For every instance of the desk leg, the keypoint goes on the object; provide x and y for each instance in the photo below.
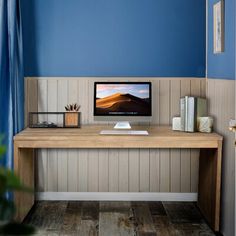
(24, 169)
(210, 185)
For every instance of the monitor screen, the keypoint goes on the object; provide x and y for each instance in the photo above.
(122, 99)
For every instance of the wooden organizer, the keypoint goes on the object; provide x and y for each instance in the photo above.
(68, 119)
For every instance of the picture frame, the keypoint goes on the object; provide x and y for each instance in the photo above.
(218, 27)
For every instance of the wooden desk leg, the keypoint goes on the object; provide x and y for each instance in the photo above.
(210, 185)
(24, 168)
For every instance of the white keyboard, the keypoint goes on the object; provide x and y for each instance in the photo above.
(124, 132)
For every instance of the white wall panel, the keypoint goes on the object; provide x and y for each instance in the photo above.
(113, 170)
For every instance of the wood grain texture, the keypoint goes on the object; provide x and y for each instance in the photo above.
(103, 170)
(134, 170)
(123, 170)
(93, 170)
(185, 154)
(83, 170)
(209, 185)
(52, 180)
(42, 163)
(197, 89)
(89, 219)
(72, 218)
(154, 170)
(62, 99)
(115, 218)
(113, 177)
(25, 172)
(143, 219)
(221, 97)
(69, 170)
(159, 137)
(144, 161)
(118, 219)
(175, 157)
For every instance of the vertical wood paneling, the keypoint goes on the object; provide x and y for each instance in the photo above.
(203, 88)
(185, 176)
(62, 170)
(114, 170)
(52, 153)
(83, 100)
(123, 170)
(90, 101)
(175, 160)
(83, 170)
(72, 154)
(93, 170)
(72, 170)
(164, 115)
(144, 170)
(42, 153)
(164, 104)
(31, 105)
(156, 104)
(221, 97)
(31, 96)
(26, 107)
(196, 90)
(194, 170)
(134, 170)
(154, 170)
(62, 98)
(103, 170)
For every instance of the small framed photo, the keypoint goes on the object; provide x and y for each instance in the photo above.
(218, 30)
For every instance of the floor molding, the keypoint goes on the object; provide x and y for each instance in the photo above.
(113, 196)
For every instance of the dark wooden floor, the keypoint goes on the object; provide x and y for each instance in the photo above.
(117, 218)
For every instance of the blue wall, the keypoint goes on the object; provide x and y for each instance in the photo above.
(114, 37)
(222, 65)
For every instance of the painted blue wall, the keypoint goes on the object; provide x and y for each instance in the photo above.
(114, 37)
(222, 65)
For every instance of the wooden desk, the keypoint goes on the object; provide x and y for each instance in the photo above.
(88, 137)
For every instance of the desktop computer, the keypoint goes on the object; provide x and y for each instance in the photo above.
(123, 101)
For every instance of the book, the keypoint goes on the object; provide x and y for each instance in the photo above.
(186, 113)
(191, 114)
(190, 109)
(182, 114)
(196, 107)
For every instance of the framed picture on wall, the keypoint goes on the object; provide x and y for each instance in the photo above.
(218, 26)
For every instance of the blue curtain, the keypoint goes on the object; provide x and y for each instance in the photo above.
(11, 75)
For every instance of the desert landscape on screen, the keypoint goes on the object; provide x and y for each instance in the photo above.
(122, 99)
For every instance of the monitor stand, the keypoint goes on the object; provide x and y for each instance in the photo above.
(122, 125)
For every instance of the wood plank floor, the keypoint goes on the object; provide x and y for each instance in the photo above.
(117, 219)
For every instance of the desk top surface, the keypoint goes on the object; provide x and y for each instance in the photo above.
(88, 136)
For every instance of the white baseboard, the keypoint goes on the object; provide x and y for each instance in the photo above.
(112, 196)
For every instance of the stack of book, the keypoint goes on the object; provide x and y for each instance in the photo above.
(191, 108)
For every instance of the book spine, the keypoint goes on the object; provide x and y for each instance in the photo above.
(182, 113)
(195, 114)
(186, 113)
(191, 114)
(201, 107)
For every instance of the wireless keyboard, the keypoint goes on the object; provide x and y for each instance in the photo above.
(124, 132)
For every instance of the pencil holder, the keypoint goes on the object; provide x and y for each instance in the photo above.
(72, 119)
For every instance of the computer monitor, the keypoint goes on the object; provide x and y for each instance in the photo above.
(122, 99)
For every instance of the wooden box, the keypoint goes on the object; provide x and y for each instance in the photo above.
(72, 119)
